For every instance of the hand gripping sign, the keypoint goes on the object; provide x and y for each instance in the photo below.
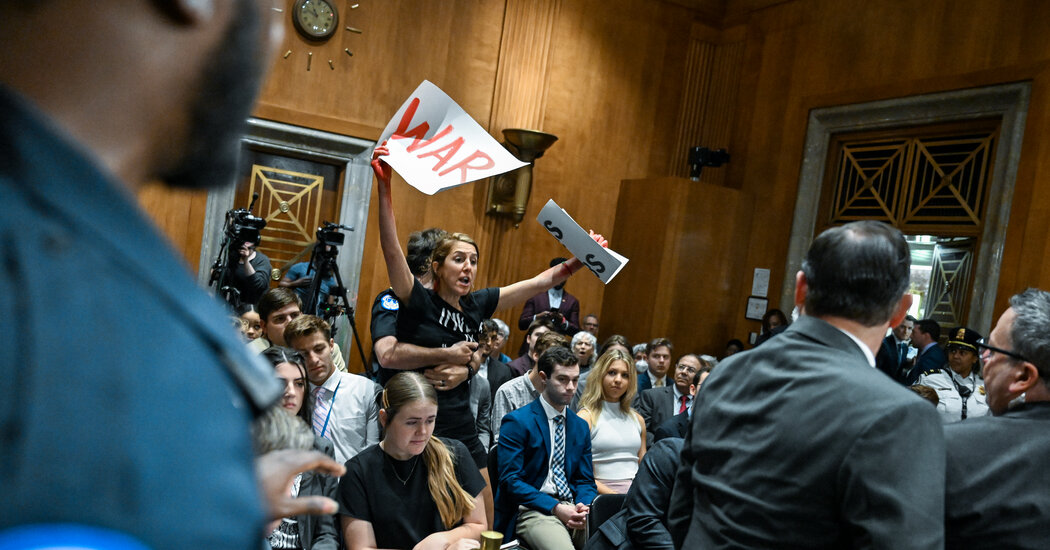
(435, 145)
(605, 263)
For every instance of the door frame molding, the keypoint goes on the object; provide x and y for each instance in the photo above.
(1009, 101)
(316, 145)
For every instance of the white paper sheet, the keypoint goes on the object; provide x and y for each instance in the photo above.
(435, 145)
(603, 262)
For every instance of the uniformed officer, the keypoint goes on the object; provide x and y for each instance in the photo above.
(959, 385)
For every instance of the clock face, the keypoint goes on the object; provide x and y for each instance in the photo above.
(315, 19)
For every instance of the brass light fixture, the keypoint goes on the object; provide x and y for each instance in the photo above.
(509, 192)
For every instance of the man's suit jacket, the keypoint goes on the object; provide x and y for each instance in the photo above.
(996, 480)
(676, 426)
(570, 308)
(655, 405)
(642, 523)
(499, 373)
(524, 451)
(646, 383)
(931, 359)
(803, 444)
(888, 359)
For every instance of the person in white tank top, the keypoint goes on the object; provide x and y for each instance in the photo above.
(617, 431)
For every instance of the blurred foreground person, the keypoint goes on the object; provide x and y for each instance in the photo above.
(149, 434)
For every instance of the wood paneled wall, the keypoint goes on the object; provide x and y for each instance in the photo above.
(806, 54)
(677, 282)
(625, 84)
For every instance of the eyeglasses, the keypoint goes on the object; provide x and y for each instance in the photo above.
(982, 345)
(688, 368)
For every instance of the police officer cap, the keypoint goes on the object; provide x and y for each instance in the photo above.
(963, 338)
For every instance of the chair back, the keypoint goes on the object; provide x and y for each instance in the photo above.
(603, 507)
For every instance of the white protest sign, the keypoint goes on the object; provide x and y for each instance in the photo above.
(603, 262)
(435, 145)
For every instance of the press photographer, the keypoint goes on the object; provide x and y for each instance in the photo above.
(241, 273)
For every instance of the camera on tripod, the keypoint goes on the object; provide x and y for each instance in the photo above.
(242, 227)
(239, 227)
(328, 234)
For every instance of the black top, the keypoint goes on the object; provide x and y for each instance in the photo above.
(393, 495)
(384, 315)
(428, 321)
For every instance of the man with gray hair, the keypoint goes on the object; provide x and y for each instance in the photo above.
(996, 479)
(801, 442)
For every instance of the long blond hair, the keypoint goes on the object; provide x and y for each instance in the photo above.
(593, 395)
(452, 501)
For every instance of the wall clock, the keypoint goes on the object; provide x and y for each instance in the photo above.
(315, 20)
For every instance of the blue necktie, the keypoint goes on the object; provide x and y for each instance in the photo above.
(558, 460)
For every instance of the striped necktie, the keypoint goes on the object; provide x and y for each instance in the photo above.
(558, 460)
(321, 408)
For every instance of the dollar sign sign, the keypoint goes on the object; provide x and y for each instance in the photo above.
(597, 266)
(554, 230)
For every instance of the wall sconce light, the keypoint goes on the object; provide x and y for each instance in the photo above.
(509, 192)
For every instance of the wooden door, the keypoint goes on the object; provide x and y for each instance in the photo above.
(295, 196)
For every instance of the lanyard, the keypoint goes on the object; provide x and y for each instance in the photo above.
(330, 407)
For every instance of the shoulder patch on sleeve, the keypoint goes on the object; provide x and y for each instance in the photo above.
(390, 303)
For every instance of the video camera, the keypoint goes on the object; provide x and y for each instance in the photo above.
(242, 227)
(328, 234)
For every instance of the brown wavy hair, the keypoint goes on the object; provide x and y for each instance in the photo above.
(452, 501)
(442, 250)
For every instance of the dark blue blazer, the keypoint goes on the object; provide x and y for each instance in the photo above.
(646, 383)
(932, 359)
(524, 460)
(888, 361)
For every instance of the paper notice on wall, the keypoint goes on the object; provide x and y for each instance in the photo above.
(435, 145)
(760, 282)
(603, 262)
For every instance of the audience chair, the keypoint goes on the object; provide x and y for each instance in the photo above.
(602, 508)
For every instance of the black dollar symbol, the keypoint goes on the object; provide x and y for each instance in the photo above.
(595, 265)
(554, 230)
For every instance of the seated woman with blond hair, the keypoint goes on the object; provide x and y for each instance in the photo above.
(617, 430)
(412, 490)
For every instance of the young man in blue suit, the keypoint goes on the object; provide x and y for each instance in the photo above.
(546, 483)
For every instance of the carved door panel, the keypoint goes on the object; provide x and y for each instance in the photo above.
(951, 280)
(295, 196)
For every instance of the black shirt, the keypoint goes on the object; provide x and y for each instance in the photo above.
(428, 321)
(398, 503)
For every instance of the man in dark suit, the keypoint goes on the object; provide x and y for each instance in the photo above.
(802, 443)
(893, 353)
(678, 425)
(555, 299)
(546, 483)
(658, 361)
(642, 523)
(996, 477)
(660, 404)
(924, 337)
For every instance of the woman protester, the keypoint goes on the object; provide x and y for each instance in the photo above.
(451, 311)
(959, 384)
(413, 490)
(617, 430)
